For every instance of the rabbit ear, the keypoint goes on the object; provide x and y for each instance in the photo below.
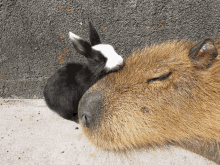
(94, 37)
(82, 46)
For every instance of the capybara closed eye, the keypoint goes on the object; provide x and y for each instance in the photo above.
(165, 93)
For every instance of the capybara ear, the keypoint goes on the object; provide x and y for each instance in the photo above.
(203, 54)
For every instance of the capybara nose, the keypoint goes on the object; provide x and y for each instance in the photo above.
(90, 108)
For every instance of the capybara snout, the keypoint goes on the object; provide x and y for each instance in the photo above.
(166, 92)
(92, 105)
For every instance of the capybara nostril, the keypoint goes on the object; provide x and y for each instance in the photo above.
(89, 108)
(85, 120)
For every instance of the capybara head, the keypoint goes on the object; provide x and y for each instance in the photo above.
(165, 93)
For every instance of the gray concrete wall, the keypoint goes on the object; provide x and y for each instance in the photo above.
(34, 34)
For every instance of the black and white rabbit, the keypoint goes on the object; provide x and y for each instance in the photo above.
(65, 88)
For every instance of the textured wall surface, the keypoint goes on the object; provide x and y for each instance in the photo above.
(34, 34)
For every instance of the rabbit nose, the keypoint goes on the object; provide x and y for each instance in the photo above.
(120, 66)
(90, 108)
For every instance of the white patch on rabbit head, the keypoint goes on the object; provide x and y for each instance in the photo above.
(114, 61)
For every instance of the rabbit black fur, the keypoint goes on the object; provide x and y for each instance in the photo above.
(65, 88)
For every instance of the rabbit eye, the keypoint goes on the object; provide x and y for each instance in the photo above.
(161, 78)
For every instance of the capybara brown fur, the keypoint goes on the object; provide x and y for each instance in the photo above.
(166, 93)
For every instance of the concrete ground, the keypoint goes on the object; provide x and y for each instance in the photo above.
(30, 133)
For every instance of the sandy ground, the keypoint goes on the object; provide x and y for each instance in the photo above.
(32, 134)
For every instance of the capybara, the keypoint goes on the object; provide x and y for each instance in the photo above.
(65, 87)
(166, 93)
